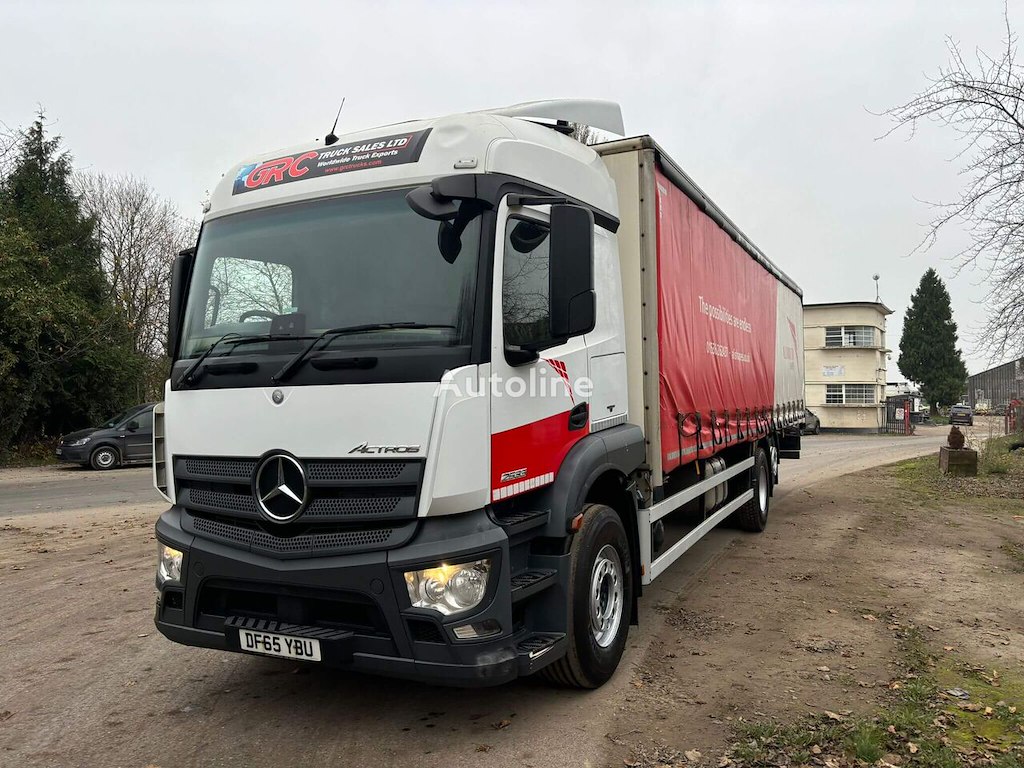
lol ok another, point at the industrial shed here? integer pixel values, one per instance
(991, 390)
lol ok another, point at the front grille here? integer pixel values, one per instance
(241, 469)
(340, 489)
(222, 500)
(354, 505)
(358, 471)
(349, 506)
(297, 539)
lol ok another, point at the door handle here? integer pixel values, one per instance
(579, 417)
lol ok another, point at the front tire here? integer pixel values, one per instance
(753, 516)
(104, 457)
(600, 600)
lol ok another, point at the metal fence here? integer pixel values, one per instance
(897, 415)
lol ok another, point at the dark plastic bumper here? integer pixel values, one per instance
(396, 646)
(76, 455)
(484, 672)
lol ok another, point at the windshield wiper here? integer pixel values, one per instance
(192, 373)
(331, 334)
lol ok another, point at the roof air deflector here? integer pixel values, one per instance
(603, 115)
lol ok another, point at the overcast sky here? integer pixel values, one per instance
(768, 105)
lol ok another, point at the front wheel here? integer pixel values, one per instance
(600, 600)
(103, 457)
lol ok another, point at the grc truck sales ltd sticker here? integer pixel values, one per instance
(397, 149)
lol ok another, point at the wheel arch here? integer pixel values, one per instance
(598, 470)
(615, 452)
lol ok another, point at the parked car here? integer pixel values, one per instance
(961, 414)
(811, 423)
(125, 439)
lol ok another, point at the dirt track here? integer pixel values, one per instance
(87, 681)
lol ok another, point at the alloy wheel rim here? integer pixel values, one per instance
(762, 489)
(606, 596)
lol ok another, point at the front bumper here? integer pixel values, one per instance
(359, 603)
(73, 455)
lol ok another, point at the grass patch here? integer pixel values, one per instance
(999, 484)
(1016, 554)
(921, 725)
(866, 742)
(994, 457)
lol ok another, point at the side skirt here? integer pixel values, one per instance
(651, 569)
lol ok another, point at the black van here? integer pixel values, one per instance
(125, 439)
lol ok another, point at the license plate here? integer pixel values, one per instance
(59, 451)
(270, 644)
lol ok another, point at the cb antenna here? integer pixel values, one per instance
(331, 138)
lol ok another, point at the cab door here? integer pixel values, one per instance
(539, 407)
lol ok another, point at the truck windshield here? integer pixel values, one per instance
(302, 268)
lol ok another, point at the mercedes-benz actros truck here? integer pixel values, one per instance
(446, 395)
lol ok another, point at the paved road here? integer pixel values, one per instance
(63, 487)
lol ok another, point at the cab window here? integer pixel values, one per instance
(525, 284)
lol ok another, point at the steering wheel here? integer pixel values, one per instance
(256, 313)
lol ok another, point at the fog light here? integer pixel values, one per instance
(168, 563)
(449, 589)
(478, 631)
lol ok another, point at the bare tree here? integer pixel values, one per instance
(981, 98)
(584, 134)
(8, 147)
(140, 233)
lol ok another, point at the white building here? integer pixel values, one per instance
(845, 357)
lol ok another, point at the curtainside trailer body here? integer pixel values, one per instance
(714, 341)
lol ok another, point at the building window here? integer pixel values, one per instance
(850, 394)
(860, 393)
(850, 336)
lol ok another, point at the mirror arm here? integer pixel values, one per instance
(539, 200)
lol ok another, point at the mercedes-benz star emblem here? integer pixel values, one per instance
(280, 488)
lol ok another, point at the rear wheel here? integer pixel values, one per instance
(104, 457)
(753, 516)
(600, 600)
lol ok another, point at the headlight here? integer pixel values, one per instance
(78, 442)
(168, 564)
(449, 589)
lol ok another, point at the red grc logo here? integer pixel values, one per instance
(273, 171)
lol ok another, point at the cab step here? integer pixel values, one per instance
(539, 649)
(516, 522)
(528, 583)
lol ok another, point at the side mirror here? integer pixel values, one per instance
(180, 273)
(133, 425)
(571, 275)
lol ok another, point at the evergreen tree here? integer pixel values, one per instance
(928, 351)
(65, 355)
